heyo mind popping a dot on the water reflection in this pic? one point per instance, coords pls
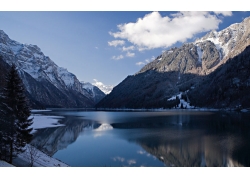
(50, 140)
(182, 138)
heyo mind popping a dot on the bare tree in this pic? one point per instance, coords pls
(32, 153)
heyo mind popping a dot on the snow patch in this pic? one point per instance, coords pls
(41, 121)
(66, 76)
(104, 88)
(200, 53)
(87, 86)
(16, 47)
(186, 105)
(39, 110)
(5, 164)
(42, 160)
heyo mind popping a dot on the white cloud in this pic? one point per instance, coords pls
(224, 13)
(118, 57)
(129, 54)
(140, 63)
(96, 47)
(130, 48)
(121, 159)
(116, 43)
(154, 31)
(146, 61)
(141, 152)
(131, 161)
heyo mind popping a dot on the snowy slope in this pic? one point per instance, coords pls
(104, 88)
(31, 60)
(40, 159)
(96, 93)
(226, 39)
(5, 164)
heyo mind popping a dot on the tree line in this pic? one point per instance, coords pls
(15, 121)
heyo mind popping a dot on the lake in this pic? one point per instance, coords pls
(182, 138)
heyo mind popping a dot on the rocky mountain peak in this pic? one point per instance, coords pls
(206, 53)
(32, 63)
(195, 66)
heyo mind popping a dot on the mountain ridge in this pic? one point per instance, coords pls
(40, 74)
(180, 69)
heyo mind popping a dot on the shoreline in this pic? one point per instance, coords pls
(141, 109)
(40, 159)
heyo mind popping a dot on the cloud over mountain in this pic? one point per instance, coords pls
(156, 31)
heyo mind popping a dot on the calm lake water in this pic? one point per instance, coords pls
(172, 138)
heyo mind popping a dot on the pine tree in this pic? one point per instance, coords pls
(15, 121)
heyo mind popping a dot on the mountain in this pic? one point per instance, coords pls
(226, 87)
(182, 69)
(47, 84)
(96, 93)
(104, 88)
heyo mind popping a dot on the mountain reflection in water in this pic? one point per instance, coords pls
(178, 138)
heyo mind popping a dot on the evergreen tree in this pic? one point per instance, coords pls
(15, 113)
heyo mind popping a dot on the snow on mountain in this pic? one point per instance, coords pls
(200, 53)
(225, 40)
(179, 69)
(94, 91)
(184, 103)
(31, 60)
(87, 86)
(105, 88)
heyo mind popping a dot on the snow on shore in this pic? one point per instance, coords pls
(41, 121)
(5, 164)
(38, 110)
(40, 159)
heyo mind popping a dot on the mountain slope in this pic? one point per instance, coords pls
(179, 69)
(226, 87)
(96, 93)
(46, 83)
(104, 88)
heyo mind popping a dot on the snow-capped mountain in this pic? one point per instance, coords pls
(205, 54)
(179, 69)
(36, 69)
(105, 88)
(94, 91)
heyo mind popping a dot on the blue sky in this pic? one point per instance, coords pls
(110, 45)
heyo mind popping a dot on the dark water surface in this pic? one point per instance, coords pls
(172, 138)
